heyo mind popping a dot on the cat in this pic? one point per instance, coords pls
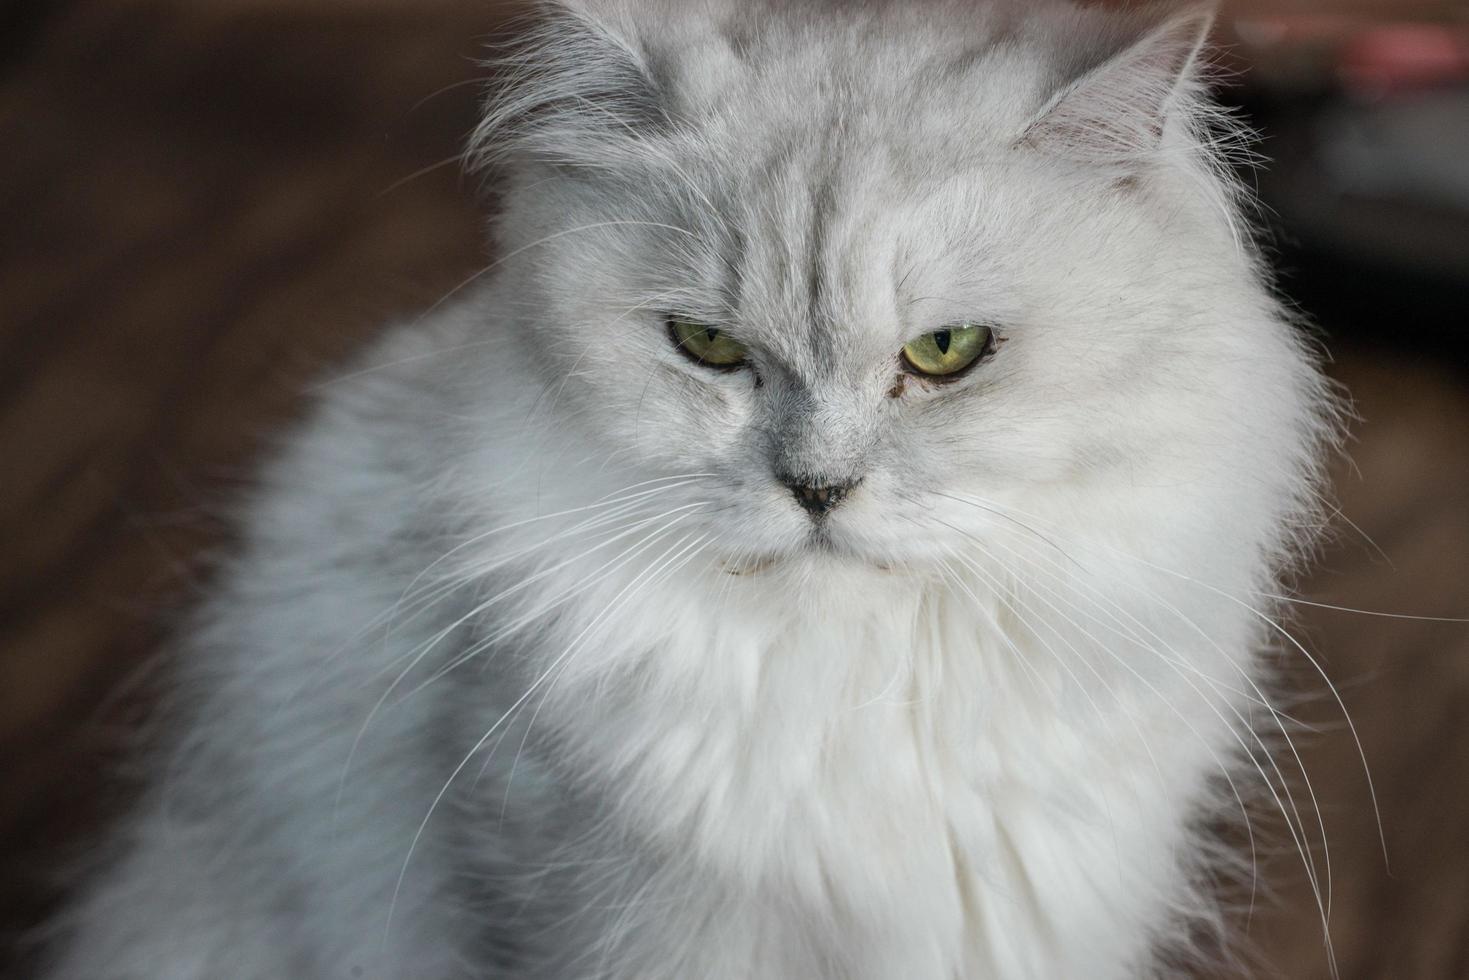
(833, 539)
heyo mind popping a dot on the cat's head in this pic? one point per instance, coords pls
(876, 271)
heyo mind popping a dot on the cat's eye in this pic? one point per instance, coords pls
(706, 344)
(947, 353)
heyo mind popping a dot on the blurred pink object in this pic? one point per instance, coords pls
(1394, 57)
(1370, 58)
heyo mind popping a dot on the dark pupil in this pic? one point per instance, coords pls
(941, 341)
(711, 333)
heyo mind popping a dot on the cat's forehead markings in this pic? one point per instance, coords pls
(823, 202)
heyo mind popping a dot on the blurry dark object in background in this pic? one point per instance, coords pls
(20, 23)
(1368, 143)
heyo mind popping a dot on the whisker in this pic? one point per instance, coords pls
(608, 509)
(1076, 681)
(419, 654)
(459, 768)
(1292, 816)
(1323, 902)
(1297, 645)
(1276, 627)
(669, 569)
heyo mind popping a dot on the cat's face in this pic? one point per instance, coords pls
(866, 311)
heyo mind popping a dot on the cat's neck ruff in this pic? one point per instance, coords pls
(888, 751)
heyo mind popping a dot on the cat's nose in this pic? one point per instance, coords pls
(817, 496)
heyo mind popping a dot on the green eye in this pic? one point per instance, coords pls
(947, 352)
(706, 344)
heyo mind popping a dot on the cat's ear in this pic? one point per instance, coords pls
(1117, 111)
(574, 87)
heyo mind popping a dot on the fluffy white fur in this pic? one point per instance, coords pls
(530, 667)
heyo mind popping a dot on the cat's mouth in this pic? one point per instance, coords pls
(750, 566)
(819, 543)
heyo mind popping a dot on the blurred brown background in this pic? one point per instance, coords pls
(203, 204)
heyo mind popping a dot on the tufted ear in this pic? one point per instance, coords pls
(1117, 110)
(573, 87)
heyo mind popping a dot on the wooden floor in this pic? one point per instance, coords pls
(201, 204)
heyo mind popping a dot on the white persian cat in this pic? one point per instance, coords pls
(829, 543)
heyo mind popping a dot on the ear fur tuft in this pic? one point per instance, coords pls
(571, 88)
(1117, 111)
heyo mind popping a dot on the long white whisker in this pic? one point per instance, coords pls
(582, 586)
(1292, 826)
(482, 607)
(996, 589)
(668, 569)
(529, 692)
(1292, 815)
(1323, 902)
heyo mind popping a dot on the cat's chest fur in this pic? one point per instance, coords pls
(875, 771)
